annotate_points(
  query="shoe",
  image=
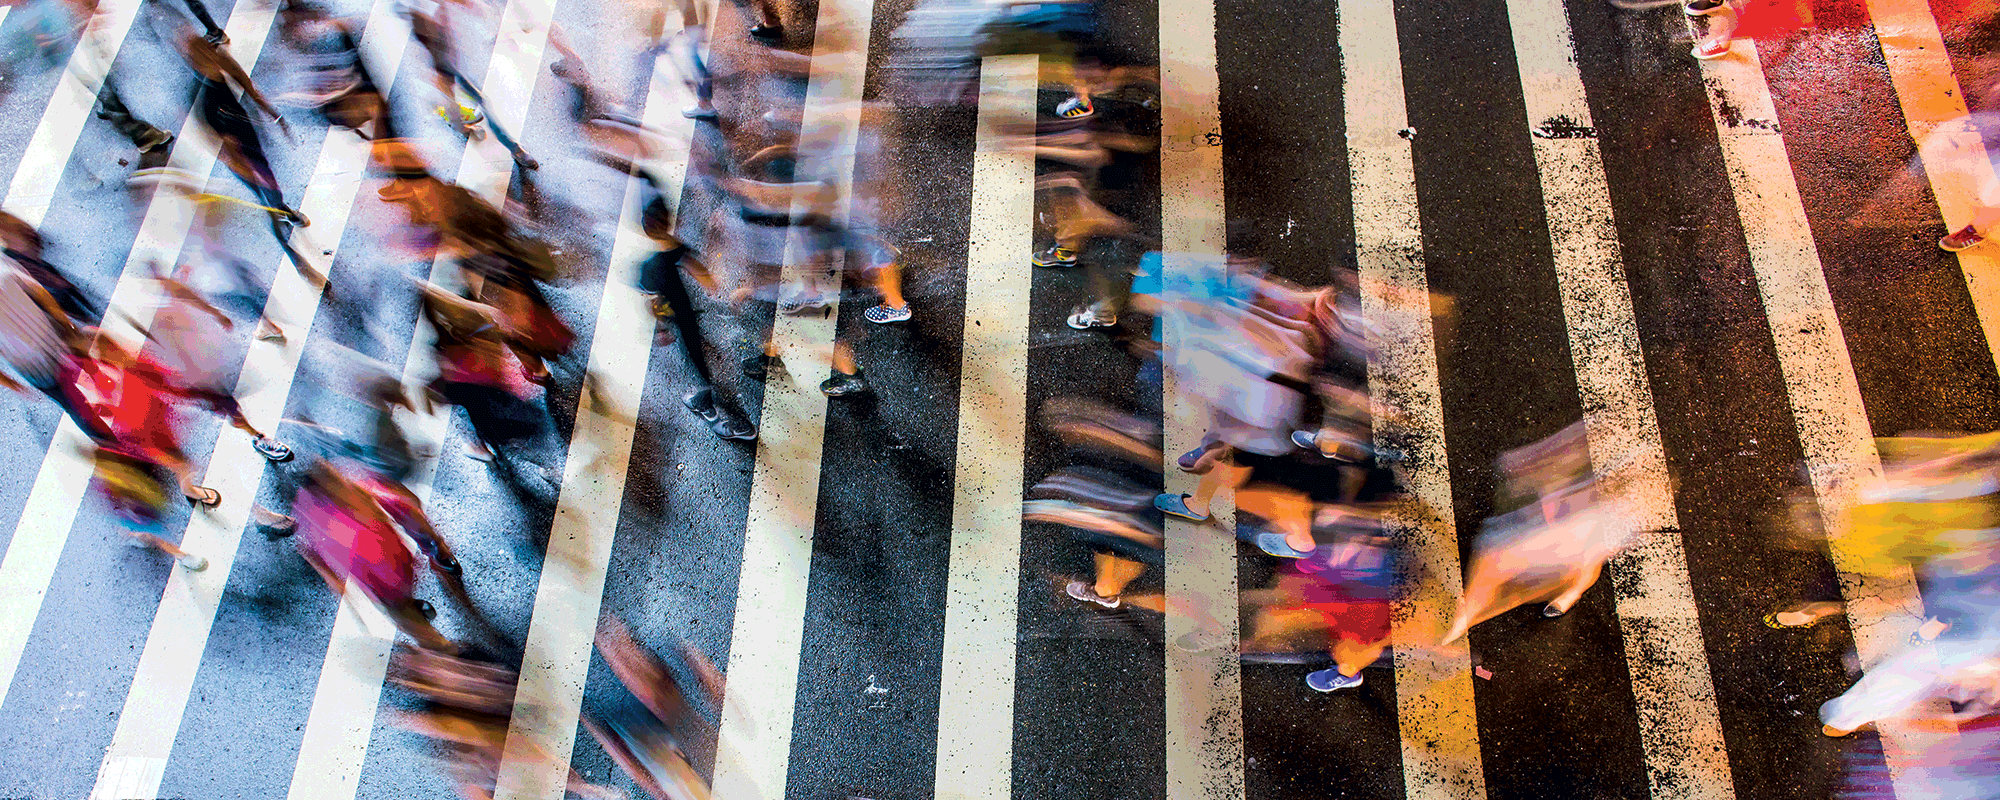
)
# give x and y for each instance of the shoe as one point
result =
(1190, 461)
(1274, 544)
(271, 449)
(467, 116)
(526, 161)
(217, 38)
(1712, 51)
(1054, 256)
(155, 139)
(1074, 108)
(137, 543)
(211, 498)
(1200, 641)
(267, 332)
(768, 34)
(1703, 8)
(297, 219)
(1962, 239)
(843, 385)
(698, 112)
(478, 452)
(192, 562)
(800, 305)
(1082, 590)
(1176, 505)
(1086, 318)
(1550, 611)
(1330, 680)
(447, 565)
(885, 314)
(425, 608)
(702, 403)
(758, 366)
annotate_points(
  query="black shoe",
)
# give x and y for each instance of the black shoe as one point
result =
(768, 34)
(843, 385)
(1551, 611)
(758, 366)
(526, 161)
(217, 38)
(702, 403)
(447, 565)
(425, 608)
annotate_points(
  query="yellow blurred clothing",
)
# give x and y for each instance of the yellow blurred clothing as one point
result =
(1932, 489)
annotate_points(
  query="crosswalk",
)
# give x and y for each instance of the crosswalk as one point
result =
(885, 634)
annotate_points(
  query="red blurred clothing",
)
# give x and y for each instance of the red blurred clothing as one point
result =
(361, 543)
(135, 400)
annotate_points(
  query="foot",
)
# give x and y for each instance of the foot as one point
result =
(467, 116)
(1053, 256)
(271, 449)
(1330, 680)
(768, 34)
(801, 305)
(1709, 51)
(702, 403)
(297, 219)
(478, 452)
(1074, 108)
(154, 139)
(526, 161)
(1176, 505)
(884, 314)
(269, 332)
(1092, 317)
(1275, 544)
(1962, 239)
(1789, 619)
(758, 366)
(699, 112)
(205, 496)
(192, 562)
(1200, 641)
(276, 526)
(1082, 590)
(843, 385)
(217, 38)
(1197, 460)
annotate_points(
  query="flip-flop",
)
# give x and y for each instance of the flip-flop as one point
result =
(1274, 544)
(211, 500)
(1771, 621)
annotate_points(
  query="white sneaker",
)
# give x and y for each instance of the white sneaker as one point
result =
(193, 563)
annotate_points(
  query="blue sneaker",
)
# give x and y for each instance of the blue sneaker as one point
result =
(1176, 505)
(1330, 680)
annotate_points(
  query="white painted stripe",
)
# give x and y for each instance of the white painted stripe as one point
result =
(1883, 610)
(1955, 159)
(50, 512)
(1434, 708)
(753, 751)
(1204, 689)
(154, 705)
(334, 747)
(556, 661)
(70, 108)
(1680, 726)
(975, 754)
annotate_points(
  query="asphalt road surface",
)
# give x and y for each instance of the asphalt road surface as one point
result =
(1730, 265)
